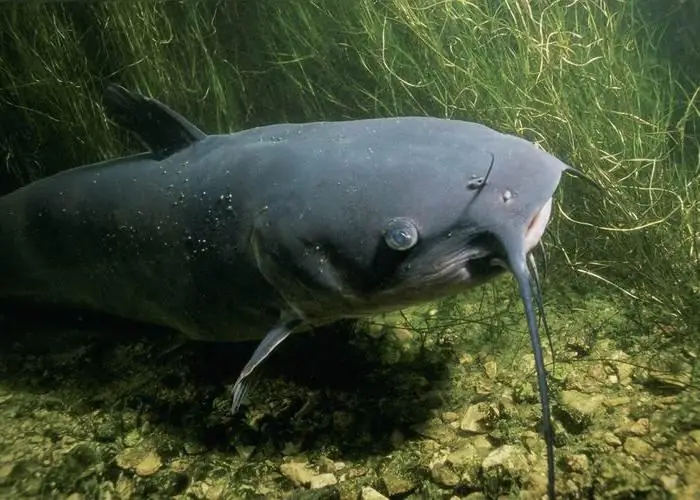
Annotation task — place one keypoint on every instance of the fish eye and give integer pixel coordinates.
(401, 234)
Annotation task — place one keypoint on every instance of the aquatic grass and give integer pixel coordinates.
(587, 79)
(45, 85)
(166, 51)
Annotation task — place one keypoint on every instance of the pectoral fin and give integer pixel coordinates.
(273, 338)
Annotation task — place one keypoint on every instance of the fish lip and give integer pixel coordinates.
(537, 226)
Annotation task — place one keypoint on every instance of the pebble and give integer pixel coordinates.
(132, 438)
(637, 447)
(580, 402)
(368, 493)
(640, 427)
(691, 480)
(442, 475)
(436, 430)
(450, 416)
(124, 487)
(491, 369)
(612, 439)
(473, 420)
(194, 448)
(298, 473)
(577, 463)
(322, 480)
(301, 474)
(464, 456)
(326, 465)
(511, 458)
(143, 461)
(670, 483)
(397, 486)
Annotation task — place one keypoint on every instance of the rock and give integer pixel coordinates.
(691, 480)
(326, 465)
(298, 473)
(640, 427)
(619, 362)
(245, 452)
(637, 447)
(667, 383)
(491, 369)
(172, 483)
(525, 392)
(531, 440)
(81, 458)
(368, 493)
(483, 387)
(396, 485)
(617, 401)
(482, 445)
(596, 374)
(194, 448)
(5, 473)
(450, 416)
(291, 448)
(322, 480)
(580, 408)
(695, 435)
(475, 496)
(132, 438)
(577, 463)
(475, 418)
(689, 445)
(375, 330)
(124, 487)
(611, 439)
(442, 475)
(507, 460)
(464, 457)
(107, 431)
(580, 402)
(149, 464)
(435, 429)
(670, 483)
(142, 460)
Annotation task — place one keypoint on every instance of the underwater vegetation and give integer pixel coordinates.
(437, 402)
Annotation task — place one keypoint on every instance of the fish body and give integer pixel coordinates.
(218, 238)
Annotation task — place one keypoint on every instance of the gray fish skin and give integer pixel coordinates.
(171, 241)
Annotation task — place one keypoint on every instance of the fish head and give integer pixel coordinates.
(436, 207)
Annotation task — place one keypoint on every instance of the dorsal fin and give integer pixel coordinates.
(158, 127)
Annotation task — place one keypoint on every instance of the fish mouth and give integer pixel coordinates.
(537, 226)
(460, 266)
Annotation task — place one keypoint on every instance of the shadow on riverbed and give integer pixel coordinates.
(321, 389)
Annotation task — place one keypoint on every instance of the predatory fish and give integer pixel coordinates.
(269, 231)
